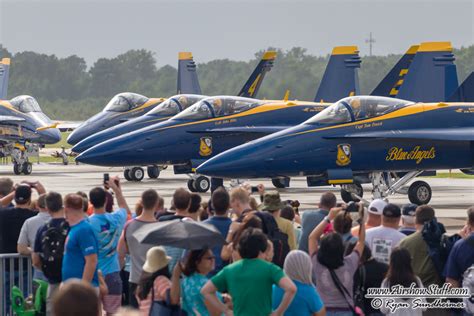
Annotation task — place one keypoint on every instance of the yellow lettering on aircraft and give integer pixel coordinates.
(254, 85)
(368, 125)
(417, 154)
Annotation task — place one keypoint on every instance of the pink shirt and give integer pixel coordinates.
(161, 285)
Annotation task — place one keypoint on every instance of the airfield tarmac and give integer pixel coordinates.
(451, 197)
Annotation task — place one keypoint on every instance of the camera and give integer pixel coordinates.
(253, 189)
(352, 207)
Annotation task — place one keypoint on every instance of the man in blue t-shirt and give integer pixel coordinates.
(81, 248)
(108, 228)
(220, 201)
(461, 256)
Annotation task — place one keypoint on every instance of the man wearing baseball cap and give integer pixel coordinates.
(374, 218)
(408, 219)
(383, 239)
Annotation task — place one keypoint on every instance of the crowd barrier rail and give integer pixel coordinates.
(15, 270)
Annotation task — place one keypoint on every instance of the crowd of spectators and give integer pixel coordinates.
(274, 261)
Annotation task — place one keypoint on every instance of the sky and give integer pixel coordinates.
(216, 29)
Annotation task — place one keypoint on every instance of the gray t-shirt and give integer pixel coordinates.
(136, 249)
(325, 284)
(382, 240)
(309, 221)
(30, 228)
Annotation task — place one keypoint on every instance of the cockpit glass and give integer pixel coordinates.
(125, 101)
(175, 104)
(334, 114)
(25, 104)
(357, 108)
(219, 106)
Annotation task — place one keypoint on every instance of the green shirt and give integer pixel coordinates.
(249, 282)
(421, 262)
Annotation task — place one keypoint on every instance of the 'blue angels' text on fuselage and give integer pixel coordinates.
(359, 134)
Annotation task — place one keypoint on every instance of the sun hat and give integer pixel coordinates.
(156, 259)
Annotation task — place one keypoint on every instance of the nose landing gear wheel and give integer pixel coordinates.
(153, 172)
(419, 193)
(126, 175)
(27, 168)
(348, 189)
(280, 183)
(202, 184)
(16, 169)
(137, 174)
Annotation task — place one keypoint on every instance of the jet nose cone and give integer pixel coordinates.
(76, 136)
(50, 136)
(81, 146)
(224, 165)
(97, 155)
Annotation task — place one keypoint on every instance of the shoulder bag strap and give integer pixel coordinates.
(344, 292)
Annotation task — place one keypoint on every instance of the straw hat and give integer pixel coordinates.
(156, 259)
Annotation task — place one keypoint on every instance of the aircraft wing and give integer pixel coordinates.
(242, 129)
(9, 118)
(456, 134)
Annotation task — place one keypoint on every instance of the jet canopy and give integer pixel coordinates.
(217, 107)
(126, 101)
(356, 108)
(25, 104)
(176, 104)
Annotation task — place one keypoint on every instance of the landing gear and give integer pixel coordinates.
(20, 157)
(281, 183)
(199, 184)
(153, 172)
(16, 168)
(126, 174)
(137, 174)
(348, 189)
(419, 192)
(27, 168)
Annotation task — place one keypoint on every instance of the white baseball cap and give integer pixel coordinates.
(376, 206)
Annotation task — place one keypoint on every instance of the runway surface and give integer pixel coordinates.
(451, 197)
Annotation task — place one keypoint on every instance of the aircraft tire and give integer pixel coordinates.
(153, 172)
(16, 169)
(191, 185)
(137, 174)
(278, 183)
(347, 196)
(126, 175)
(202, 184)
(419, 193)
(27, 168)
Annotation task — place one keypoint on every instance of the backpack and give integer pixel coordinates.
(52, 251)
(439, 245)
(281, 248)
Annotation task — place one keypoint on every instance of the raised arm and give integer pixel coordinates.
(361, 242)
(175, 291)
(114, 184)
(313, 239)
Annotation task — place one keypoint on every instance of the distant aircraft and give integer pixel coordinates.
(24, 128)
(168, 109)
(218, 123)
(359, 136)
(127, 105)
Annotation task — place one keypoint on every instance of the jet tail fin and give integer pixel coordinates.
(465, 92)
(251, 87)
(340, 78)
(4, 74)
(391, 83)
(187, 76)
(432, 75)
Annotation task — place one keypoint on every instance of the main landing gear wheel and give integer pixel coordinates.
(126, 175)
(348, 189)
(279, 183)
(202, 184)
(419, 193)
(191, 185)
(27, 168)
(153, 172)
(137, 174)
(16, 169)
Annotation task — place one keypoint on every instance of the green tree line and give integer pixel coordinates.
(67, 89)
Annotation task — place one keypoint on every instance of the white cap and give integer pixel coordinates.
(376, 206)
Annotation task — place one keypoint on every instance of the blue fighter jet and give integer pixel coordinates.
(359, 136)
(24, 128)
(168, 109)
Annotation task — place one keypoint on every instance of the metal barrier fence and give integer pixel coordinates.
(15, 270)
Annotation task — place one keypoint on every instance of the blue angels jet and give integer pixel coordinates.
(360, 136)
(168, 109)
(218, 123)
(24, 128)
(127, 105)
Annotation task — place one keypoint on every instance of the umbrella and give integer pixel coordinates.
(177, 233)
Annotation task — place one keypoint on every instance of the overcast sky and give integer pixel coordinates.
(228, 28)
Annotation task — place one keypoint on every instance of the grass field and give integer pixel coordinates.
(62, 143)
